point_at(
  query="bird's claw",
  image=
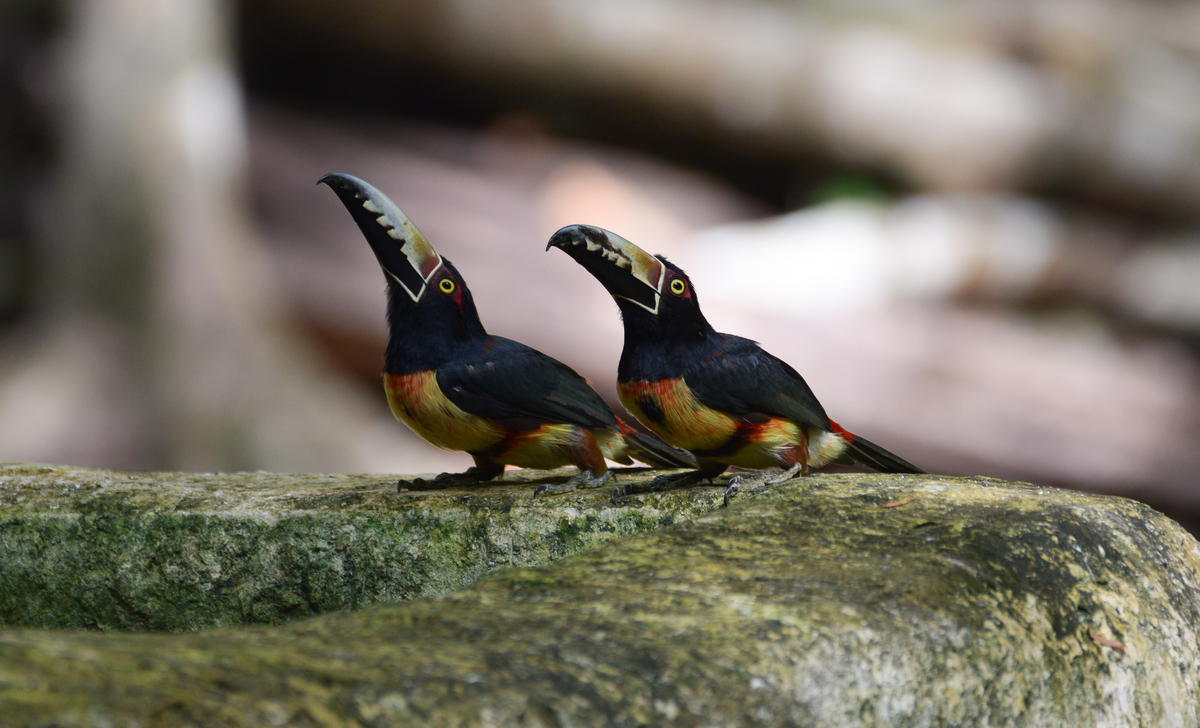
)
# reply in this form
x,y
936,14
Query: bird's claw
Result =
x,y
414,484
618,492
582,479
757,480
554,489
438,483
442,481
585,479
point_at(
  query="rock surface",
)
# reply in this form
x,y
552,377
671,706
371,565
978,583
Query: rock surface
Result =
x,y
833,600
90,548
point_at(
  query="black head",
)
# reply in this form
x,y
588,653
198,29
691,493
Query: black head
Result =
x,y
656,298
430,311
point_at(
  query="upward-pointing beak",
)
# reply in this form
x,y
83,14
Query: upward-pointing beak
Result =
x,y
402,251
623,268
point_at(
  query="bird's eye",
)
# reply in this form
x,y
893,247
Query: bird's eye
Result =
x,y
678,286
446,286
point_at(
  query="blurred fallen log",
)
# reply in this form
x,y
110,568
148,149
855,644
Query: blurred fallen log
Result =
x,y
1097,101
997,249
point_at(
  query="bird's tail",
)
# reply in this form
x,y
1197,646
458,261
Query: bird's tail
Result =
x,y
649,449
867,453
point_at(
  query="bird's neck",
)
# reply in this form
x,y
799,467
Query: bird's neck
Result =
x,y
656,350
417,343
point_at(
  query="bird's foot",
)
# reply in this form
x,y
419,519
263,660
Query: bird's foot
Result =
x,y
783,475
582,479
472,476
754,481
670,481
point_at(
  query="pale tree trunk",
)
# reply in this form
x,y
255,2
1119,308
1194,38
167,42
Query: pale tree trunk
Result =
x,y
161,329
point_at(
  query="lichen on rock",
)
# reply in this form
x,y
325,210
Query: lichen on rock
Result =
x,y
830,600
99,549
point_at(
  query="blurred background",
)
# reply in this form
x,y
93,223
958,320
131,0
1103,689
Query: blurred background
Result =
x,y
973,226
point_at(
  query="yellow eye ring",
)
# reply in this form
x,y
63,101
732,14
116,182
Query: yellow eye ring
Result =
x,y
678,286
446,286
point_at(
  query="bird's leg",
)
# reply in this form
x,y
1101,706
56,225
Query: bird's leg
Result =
x,y
670,481
759,479
483,471
582,479
584,453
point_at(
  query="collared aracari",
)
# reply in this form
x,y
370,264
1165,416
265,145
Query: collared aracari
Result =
x,y
719,396
462,389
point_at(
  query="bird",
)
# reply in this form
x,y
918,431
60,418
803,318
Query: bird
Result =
x,y
462,389
719,396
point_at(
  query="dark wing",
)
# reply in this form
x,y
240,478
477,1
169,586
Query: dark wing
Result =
x,y
521,388
741,379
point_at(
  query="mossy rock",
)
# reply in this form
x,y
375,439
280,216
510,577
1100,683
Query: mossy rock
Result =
x,y
98,549
834,600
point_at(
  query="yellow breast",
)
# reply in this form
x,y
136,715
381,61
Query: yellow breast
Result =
x,y
417,401
671,410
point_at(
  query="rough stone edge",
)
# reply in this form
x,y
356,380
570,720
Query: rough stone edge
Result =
x,y
735,617
99,549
